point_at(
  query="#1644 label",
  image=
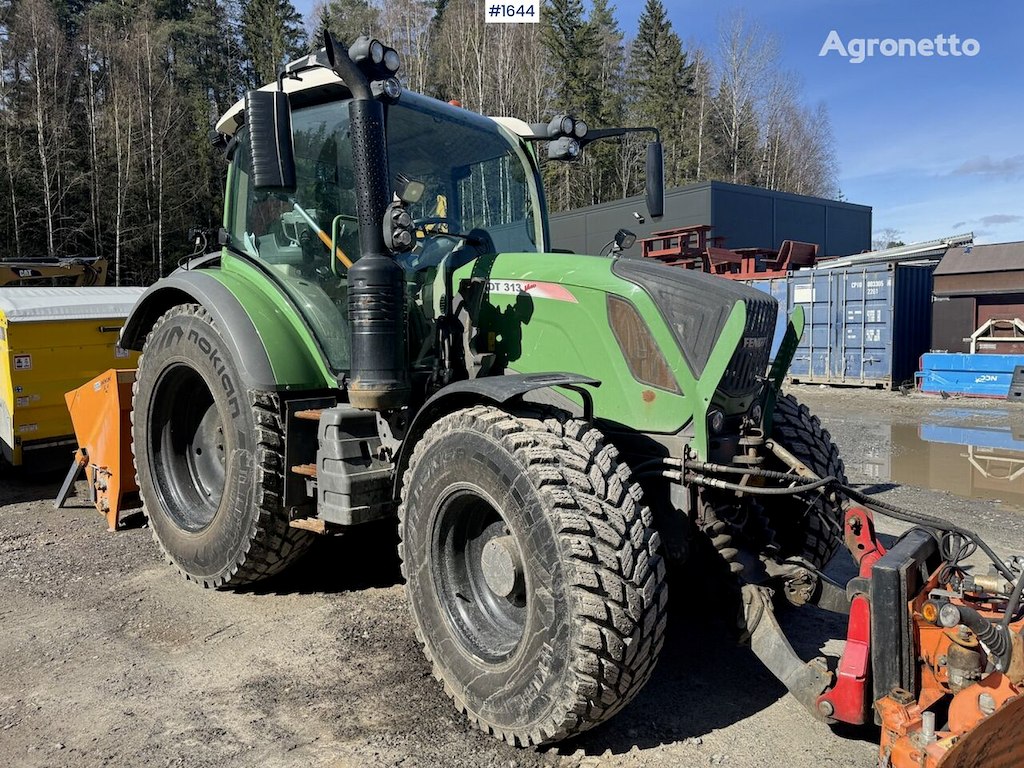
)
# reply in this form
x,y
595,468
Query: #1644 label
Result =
x,y
512,13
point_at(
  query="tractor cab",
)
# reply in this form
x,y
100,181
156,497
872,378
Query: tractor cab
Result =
x,y
468,186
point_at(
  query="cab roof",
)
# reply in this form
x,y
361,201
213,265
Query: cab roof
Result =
x,y
323,77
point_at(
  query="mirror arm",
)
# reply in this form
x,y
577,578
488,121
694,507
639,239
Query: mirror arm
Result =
x,y
607,133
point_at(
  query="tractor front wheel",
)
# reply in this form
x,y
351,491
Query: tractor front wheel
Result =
x,y
532,572
812,530
209,457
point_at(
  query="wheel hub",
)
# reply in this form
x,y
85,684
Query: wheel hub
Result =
x,y
503,572
189,451
478,573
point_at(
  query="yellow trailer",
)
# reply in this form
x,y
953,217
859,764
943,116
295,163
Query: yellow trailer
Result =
x,y
51,341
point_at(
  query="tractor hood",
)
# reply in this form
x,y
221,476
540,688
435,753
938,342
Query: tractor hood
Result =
x,y
695,306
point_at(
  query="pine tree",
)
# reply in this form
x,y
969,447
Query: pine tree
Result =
x,y
346,20
572,45
660,83
273,34
608,77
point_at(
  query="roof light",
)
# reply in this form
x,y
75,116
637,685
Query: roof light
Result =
x,y
564,148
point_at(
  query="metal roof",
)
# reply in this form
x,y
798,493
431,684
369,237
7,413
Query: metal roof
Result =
x,y
41,304
929,250
997,257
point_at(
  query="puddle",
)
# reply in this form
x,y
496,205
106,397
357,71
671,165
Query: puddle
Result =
x,y
972,453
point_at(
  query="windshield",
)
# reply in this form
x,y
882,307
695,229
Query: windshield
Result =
x,y
478,195
476,181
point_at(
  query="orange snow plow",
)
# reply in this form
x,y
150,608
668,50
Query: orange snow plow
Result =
x,y
101,415
934,652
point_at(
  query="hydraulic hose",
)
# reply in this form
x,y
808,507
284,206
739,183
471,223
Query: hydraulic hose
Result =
x,y
1013,603
756,490
935,523
995,637
804,484
768,474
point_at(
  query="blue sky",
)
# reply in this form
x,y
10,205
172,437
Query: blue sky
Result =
x,y
935,145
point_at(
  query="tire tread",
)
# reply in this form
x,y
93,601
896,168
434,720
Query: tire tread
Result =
x,y
615,570
273,544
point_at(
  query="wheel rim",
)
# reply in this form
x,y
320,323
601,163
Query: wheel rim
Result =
x,y
478,574
188,450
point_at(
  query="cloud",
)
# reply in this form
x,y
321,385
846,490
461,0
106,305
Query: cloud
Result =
x,y
959,224
1007,167
1000,218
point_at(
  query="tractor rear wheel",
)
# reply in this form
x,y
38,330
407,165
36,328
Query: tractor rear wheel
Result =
x,y
532,572
812,531
209,457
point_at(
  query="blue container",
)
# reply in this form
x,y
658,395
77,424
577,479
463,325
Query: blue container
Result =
x,y
863,326
978,375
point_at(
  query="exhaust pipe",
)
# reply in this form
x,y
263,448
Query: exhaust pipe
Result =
x,y
379,371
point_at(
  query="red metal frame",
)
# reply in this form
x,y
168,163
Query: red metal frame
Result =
x,y
973,737
693,247
847,700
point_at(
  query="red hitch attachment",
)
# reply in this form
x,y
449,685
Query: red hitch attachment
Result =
x,y
847,701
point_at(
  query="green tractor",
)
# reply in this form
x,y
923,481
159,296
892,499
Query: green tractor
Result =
x,y
386,331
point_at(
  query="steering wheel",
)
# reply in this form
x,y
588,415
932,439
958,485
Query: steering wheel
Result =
x,y
428,221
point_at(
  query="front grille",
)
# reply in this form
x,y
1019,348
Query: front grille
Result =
x,y
749,362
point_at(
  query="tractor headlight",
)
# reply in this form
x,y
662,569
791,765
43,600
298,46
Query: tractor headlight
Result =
x,y
376,51
580,129
561,125
391,60
646,362
365,48
392,88
564,149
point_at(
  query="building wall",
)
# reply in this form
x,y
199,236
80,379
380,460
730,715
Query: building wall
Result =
x,y
745,216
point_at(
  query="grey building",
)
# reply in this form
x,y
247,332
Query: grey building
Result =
x,y
747,217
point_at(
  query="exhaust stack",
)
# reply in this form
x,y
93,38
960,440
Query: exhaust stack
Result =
x,y
379,371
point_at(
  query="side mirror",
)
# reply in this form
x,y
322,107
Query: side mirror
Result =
x,y
271,149
624,239
655,190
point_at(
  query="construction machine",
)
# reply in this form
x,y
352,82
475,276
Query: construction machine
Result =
x,y
57,271
385,332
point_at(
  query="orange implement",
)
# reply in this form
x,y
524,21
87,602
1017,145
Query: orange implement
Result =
x,y
984,710
101,415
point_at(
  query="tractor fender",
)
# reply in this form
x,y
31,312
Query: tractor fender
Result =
x,y
489,389
193,286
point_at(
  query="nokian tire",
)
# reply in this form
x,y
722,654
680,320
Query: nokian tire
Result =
x,y
209,457
592,606
811,531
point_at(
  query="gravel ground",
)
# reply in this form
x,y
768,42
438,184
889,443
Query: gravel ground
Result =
x,y
107,658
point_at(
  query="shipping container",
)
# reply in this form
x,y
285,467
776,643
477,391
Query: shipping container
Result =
x,y
53,340
864,326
